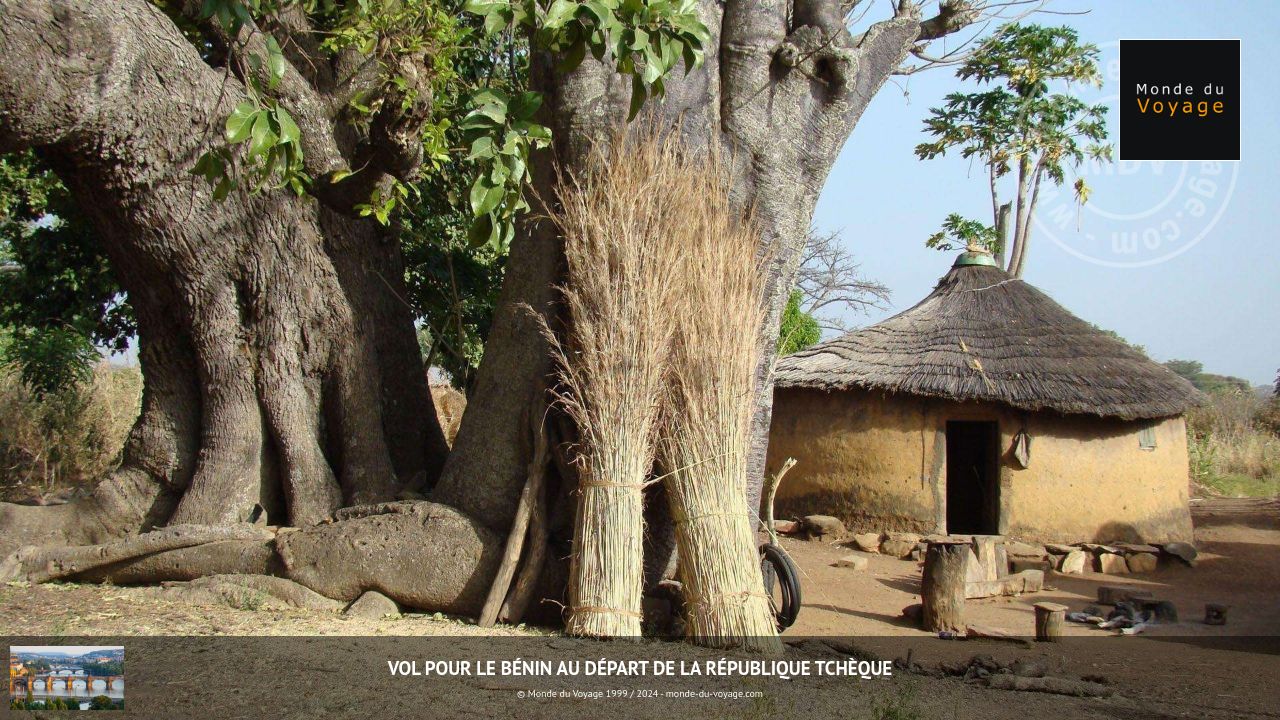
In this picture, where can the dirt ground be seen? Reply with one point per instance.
(1186, 669)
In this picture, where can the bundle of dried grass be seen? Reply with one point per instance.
(718, 314)
(614, 217)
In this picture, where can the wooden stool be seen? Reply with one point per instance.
(1049, 619)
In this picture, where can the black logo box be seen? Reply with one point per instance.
(1180, 65)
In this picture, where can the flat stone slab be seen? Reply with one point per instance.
(853, 562)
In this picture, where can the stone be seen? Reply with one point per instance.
(372, 605)
(1021, 549)
(1058, 549)
(1110, 564)
(1018, 564)
(1128, 548)
(1073, 563)
(1186, 552)
(897, 548)
(820, 526)
(786, 527)
(1032, 580)
(913, 612)
(1142, 562)
(1095, 548)
(908, 537)
(867, 542)
(853, 562)
(983, 589)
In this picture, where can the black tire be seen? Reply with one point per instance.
(778, 568)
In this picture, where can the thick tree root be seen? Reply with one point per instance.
(420, 554)
(42, 563)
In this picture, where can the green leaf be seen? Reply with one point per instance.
(560, 12)
(482, 148)
(275, 62)
(573, 57)
(480, 230)
(340, 175)
(289, 132)
(262, 138)
(240, 121)
(637, 97)
(484, 196)
(526, 104)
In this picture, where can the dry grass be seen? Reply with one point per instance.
(614, 218)
(64, 441)
(1233, 444)
(719, 311)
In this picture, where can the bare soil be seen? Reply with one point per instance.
(1185, 669)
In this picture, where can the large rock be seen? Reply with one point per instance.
(1142, 562)
(897, 548)
(853, 562)
(1059, 549)
(1016, 548)
(1111, 564)
(1073, 563)
(1186, 552)
(867, 542)
(373, 605)
(823, 526)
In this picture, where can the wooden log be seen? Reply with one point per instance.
(530, 572)
(943, 587)
(1049, 621)
(520, 525)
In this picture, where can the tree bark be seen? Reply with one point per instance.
(778, 94)
(280, 365)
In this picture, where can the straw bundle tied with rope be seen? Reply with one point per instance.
(706, 419)
(614, 218)
(663, 308)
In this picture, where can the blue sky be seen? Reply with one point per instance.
(1204, 289)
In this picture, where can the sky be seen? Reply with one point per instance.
(1205, 288)
(69, 649)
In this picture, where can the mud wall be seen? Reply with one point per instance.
(879, 462)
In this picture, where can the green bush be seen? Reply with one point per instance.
(65, 439)
(1233, 445)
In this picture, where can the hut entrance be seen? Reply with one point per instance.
(973, 472)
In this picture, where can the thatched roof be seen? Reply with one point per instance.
(983, 335)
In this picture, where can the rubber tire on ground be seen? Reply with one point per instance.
(776, 566)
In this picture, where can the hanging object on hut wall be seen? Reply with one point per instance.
(1022, 449)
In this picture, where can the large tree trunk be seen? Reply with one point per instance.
(779, 93)
(280, 366)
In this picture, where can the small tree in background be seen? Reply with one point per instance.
(798, 329)
(1019, 128)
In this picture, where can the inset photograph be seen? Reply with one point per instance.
(66, 677)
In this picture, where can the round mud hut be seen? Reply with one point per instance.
(985, 409)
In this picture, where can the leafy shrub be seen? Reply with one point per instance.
(1233, 444)
(64, 439)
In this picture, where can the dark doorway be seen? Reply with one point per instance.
(973, 478)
